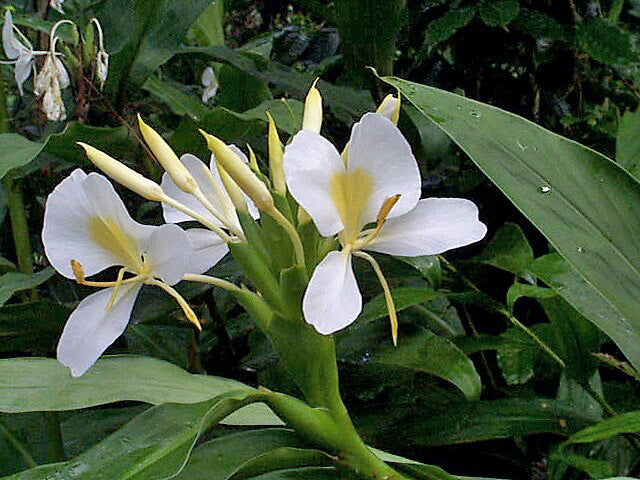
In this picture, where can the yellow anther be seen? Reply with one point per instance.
(78, 271)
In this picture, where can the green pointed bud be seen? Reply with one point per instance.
(276, 168)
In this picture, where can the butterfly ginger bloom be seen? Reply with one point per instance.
(376, 181)
(87, 229)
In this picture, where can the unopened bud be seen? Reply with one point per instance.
(390, 108)
(253, 161)
(303, 216)
(124, 175)
(312, 117)
(276, 168)
(167, 158)
(240, 173)
(235, 193)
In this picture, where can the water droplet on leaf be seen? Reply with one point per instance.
(545, 189)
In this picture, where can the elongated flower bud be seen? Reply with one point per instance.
(124, 175)
(232, 188)
(240, 173)
(167, 158)
(312, 117)
(276, 168)
(253, 161)
(390, 108)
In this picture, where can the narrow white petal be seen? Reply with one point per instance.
(379, 148)
(22, 71)
(434, 226)
(208, 247)
(169, 253)
(310, 162)
(195, 166)
(63, 76)
(12, 49)
(332, 300)
(67, 232)
(91, 329)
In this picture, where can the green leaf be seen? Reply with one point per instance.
(538, 25)
(41, 384)
(280, 459)
(208, 29)
(141, 35)
(428, 266)
(180, 101)
(32, 327)
(239, 91)
(16, 151)
(570, 192)
(154, 445)
(403, 297)
(508, 250)
(499, 13)
(595, 468)
(609, 427)
(628, 142)
(519, 290)
(515, 356)
(605, 42)
(556, 273)
(13, 282)
(444, 27)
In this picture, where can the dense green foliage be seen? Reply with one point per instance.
(518, 357)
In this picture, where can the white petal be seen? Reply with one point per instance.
(23, 70)
(208, 247)
(91, 329)
(332, 300)
(208, 76)
(66, 234)
(195, 166)
(310, 161)
(169, 253)
(63, 76)
(12, 49)
(434, 226)
(378, 148)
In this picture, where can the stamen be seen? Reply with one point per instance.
(391, 308)
(78, 271)
(188, 311)
(115, 289)
(385, 209)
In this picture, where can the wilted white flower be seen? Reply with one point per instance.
(210, 84)
(102, 58)
(49, 84)
(57, 5)
(19, 52)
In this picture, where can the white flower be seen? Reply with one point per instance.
(212, 187)
(210, 84)
(88, 229)
(57, 5)
(50, 82)
(19, 52)
(102, 58)
(376, 182)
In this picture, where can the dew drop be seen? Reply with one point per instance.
(459, 107)
(475, 114)
(522, 147)
(580, 249)
(545, 189)
(366, 357)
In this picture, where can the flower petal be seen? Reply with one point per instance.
(11, 46)
(434, 226)
(22, 71)
(73, 210)
(169, 253)
(91, 329)
(63, 76)
(196, 168)
(310, 162)
(378, 148)
(208, 247)
(332, 300)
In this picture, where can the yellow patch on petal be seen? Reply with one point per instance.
(108, 234)
(350, 192)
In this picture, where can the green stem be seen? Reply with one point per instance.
(17, 445)
(55, 446)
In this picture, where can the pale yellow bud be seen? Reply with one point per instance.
(240, 173)
(390, 108)
(232, 188)
(167, 158)
(253, 161)
(312, 117)
(276, 168)
(303, 216)
(123, 174)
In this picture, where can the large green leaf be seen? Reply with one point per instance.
(585, 204)
(628, 142)
(13, 282)
(499, 13)
(153, 446)
(16, 151)
(624, 423)
(143, 34)
(32, 327)
(508, 250)
(40, 384)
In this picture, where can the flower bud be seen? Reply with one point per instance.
(312, 117)
(276, 168)
(123, 174)
(240, 173)
(167, 158)
(253, 161)
(390, 108)
(235, 193)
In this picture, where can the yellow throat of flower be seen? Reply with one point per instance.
(350, 192)
(107, 233)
